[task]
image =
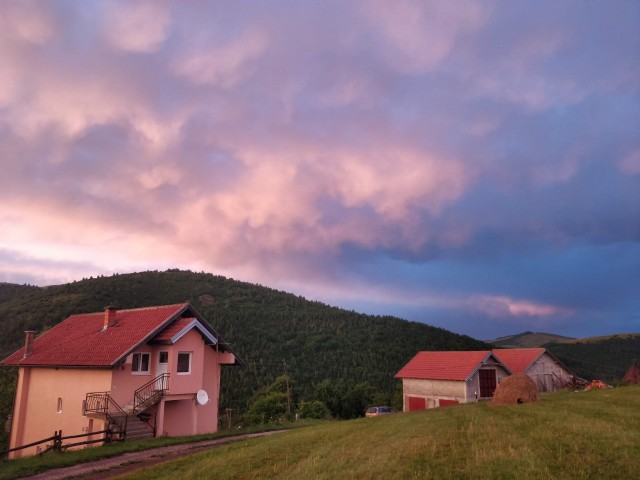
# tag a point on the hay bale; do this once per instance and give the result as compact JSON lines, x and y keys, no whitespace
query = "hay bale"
{"x":517,"y":388}
{"x":632,"y":376}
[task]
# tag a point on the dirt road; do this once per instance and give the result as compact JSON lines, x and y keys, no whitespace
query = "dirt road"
{"x":127,"y":462}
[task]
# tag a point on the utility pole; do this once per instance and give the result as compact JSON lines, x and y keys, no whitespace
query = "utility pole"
{"x":286,"y":377}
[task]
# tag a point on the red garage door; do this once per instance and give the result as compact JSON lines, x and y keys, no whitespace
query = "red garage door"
{"x":444,"y":403}
{"x":416,"y":403}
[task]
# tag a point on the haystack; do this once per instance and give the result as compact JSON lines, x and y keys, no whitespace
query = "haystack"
{"x":633,"y":375}
{"x":517,"y":388}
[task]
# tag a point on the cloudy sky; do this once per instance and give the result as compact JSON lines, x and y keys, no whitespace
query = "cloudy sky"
{"x":473,"y":165}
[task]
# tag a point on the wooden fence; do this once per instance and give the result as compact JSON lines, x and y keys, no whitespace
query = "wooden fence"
{"x":57,"y":441}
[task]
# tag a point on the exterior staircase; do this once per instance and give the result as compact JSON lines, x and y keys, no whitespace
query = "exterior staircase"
{"x":135,"y":420}
{"x":138,"y":429}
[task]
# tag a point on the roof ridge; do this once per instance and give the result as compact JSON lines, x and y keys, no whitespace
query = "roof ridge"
{"x":150,"y":307}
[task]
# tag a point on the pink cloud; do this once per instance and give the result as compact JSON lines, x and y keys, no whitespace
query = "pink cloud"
{"x":140,"y":26}
{"x":503,"y":306}
{"x":417,"y":36}
{"x":224,"y":64}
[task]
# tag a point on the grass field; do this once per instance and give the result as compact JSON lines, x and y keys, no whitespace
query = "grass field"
{"x":22,"y":467}
{"x":567,"y":435}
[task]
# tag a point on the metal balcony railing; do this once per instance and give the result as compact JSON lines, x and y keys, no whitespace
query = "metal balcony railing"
{"x":102,"y":403}
{"x":150,"y":393}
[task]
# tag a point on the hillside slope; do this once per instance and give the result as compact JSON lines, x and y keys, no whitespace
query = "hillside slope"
{"x":565,"y":436}
{"x":268,"y":329}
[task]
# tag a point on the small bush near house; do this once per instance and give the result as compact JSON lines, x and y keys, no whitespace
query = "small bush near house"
{"x":315,"y":410}
{"x":269,"y":409}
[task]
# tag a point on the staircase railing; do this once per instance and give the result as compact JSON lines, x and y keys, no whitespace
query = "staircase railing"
{"x":150,"y":393}
{"x":102,"y":403}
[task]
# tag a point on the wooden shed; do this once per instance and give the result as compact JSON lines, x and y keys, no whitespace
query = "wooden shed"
{"x":548,"y":373}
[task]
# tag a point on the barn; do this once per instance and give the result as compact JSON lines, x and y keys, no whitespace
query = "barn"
{"x":437,"y":379}
{"x":548,"y":373}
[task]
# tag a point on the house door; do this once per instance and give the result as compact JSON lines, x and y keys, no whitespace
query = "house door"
{"x":487,"y":382}
{"x":163,"y":367}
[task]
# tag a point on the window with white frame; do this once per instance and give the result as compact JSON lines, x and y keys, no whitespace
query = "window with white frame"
{"x":184,"y":363}
{"x":140,"y":363}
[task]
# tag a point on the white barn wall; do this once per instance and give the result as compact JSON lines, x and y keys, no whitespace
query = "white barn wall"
{"x":432,"y":390}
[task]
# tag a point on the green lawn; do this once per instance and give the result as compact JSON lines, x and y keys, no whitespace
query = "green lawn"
{"x":567,"y":435}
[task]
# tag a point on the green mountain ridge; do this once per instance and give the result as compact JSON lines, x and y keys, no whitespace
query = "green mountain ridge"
{"x":271,"y":330}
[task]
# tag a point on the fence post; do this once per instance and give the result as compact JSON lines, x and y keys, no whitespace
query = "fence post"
{"x":57,"y":441}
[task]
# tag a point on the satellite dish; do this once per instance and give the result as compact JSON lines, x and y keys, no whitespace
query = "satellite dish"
{"x":202,"y":397}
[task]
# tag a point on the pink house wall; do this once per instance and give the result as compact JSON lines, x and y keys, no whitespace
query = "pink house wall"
{"x":208,"y":414}
{"x":36,"y":415}
{"x":179,"y":417}
{"x":125,"y":383}
{"x":192,"y":382}
{"x":205,"y":375}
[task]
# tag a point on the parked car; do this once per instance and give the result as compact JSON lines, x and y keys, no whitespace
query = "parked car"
{"x":377,"y":411}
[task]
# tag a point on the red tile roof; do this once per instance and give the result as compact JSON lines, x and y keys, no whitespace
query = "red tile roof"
{"x":518,"y":359}
{"x":79,"y":341}
{"x":457,"y":365}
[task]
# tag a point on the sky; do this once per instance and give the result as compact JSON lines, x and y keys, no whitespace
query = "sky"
{"x":473,"y":165}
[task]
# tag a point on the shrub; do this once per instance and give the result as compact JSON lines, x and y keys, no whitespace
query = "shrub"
{"x":315,"y":409}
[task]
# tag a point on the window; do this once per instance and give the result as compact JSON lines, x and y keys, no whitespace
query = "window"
{"x":184,"y":363}
{"x":59,"y":408}
{"x":164,"y":357}
{"x":140,"y":363}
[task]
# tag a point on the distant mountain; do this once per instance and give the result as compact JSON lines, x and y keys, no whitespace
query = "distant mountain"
{"x":528,"y":340}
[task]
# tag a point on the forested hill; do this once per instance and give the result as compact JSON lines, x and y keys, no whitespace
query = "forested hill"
{"x":606,"y":358}
{"x":267,"y":328}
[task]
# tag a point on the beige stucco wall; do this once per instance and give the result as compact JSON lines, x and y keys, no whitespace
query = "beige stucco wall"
{"x":432,"y":391}
{"x":35,"y":411}
{"x":546,"y":373}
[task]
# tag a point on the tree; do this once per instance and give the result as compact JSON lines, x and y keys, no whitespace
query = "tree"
{"x":272,"y":404}
{"x":314,"y":409}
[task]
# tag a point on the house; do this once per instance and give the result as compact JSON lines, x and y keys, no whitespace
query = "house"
{"x":548,"y":373}
{"x":115,"y":368}
{"x":436,"y":379}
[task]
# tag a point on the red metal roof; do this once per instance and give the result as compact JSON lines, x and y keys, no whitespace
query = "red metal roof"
{"x":79,"y":341}
{"x":457,"y":365}
{"x":518,"y":359}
